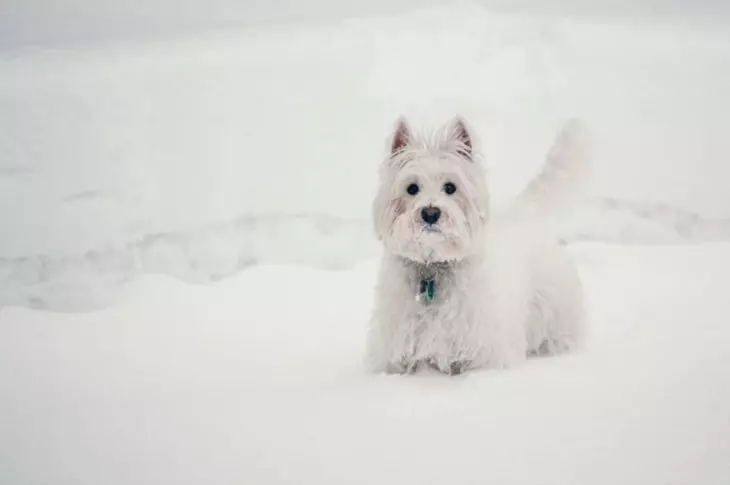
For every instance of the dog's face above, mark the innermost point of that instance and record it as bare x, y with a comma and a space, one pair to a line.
432, 202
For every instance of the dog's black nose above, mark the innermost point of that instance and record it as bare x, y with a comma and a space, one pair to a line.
430, 215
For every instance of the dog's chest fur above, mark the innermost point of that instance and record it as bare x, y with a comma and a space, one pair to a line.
442, 327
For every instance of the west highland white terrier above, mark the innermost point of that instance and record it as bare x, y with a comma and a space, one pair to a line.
460, 288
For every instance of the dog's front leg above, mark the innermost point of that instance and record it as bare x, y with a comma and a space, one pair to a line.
404, 366
391, 346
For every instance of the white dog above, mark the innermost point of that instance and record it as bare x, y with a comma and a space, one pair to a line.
459, 289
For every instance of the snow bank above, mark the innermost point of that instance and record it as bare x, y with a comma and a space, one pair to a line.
201, 155
258, 379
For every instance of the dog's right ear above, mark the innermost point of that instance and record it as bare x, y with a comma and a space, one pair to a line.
401, 136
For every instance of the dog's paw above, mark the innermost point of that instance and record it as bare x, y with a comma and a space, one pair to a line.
451, 367
456, 367
402, 367
553, 346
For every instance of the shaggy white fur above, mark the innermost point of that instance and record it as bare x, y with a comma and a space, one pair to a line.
460, 288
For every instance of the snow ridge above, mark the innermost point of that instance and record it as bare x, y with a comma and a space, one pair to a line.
221, 250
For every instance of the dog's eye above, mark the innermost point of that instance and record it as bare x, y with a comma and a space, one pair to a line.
449, 188
412, 189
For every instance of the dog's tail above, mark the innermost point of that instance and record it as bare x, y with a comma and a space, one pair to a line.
563, 178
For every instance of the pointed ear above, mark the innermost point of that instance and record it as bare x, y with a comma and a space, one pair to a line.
460, 133
401, 136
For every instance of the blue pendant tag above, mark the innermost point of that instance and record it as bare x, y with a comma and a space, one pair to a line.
427, 290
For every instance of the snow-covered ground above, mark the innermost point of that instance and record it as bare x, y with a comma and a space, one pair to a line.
202, 154
203, 198
258, 379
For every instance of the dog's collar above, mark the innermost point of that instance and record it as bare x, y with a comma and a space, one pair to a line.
427, 275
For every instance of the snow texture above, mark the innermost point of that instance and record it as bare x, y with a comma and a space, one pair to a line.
259, 379
245, 159
202, 154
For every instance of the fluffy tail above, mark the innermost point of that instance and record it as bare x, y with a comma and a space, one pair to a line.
563, 177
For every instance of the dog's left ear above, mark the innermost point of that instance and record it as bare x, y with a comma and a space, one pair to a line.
401, 136
459, 133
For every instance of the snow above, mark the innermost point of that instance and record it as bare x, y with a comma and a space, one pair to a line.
196, 199
202, 154
258, 379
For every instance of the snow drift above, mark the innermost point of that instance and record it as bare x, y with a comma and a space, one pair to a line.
201, 155
259, 379
245, 159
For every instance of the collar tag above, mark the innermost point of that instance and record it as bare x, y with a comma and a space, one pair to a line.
426, 290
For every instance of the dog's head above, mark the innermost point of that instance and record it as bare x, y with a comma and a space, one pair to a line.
432, 202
